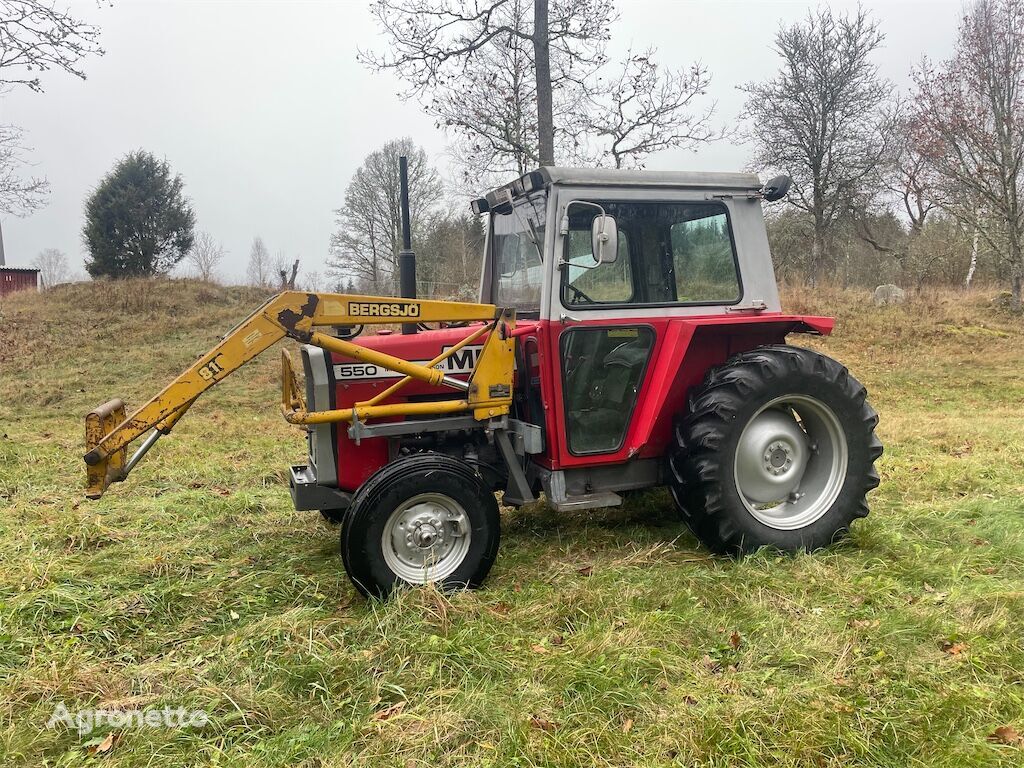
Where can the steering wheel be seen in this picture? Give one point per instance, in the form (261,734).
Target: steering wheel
(578,294)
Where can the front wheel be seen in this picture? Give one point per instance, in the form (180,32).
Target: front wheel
(777,449)
(424,519)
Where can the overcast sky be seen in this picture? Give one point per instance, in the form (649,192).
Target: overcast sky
(265,112)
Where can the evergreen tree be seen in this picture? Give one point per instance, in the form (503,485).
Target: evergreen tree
(137,221)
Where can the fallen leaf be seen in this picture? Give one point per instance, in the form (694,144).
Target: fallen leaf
(1005,734)
(388,712)
(557,640)
(104,746)
(586,570)
(735,640)
(627,726)
(538,648)
(989,571)
(689,701)
(501,609)
(234,616)
(536,721)
(953,649)
(711,665)
(928,587)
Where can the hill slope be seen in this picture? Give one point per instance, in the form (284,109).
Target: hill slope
(604,638)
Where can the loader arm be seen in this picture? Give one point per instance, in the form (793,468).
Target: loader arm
(295,315)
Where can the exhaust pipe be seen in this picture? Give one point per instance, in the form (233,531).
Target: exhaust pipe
(406,257)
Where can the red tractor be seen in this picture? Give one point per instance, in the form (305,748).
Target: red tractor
(629,335)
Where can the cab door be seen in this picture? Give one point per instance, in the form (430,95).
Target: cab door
(602,358)
(602,370)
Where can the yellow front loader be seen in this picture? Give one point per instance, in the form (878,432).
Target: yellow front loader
(300,316)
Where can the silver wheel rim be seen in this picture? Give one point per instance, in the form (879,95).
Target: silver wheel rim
(426,538)
(791,462)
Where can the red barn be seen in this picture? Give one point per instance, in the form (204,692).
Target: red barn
(18,279)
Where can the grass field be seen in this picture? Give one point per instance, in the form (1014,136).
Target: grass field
(603,638)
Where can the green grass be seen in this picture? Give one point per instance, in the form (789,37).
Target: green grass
(604,638)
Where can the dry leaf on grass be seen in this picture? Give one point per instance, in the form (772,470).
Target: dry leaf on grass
(538,648)
(953,649)
(106,745)
(627,725)
(735,640)
(557,640)
(541,723)
(864,623)
(586,570)
(1006,734)
(388,712)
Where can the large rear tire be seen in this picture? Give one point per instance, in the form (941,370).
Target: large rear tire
(777,449)
(426,518)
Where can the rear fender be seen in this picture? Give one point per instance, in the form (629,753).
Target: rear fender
(689,350)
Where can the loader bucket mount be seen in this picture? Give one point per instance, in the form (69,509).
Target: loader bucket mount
(98,424)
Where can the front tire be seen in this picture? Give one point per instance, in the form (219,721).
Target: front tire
(777,449)
(332,516)
(424,519)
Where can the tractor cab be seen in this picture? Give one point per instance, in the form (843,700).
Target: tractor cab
(638,282)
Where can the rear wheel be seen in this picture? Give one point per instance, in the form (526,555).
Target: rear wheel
(777,449)
(426,518)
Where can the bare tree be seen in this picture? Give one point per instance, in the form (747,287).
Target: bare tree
(258,273)
(20,195)
(519,83)
(900,186)
(434,41)
(909,176)
(823,118)
(312,281)
(285,275)
(970,109)
(365,247)
(204,256)
(645,110)
(36,36)
(53,267)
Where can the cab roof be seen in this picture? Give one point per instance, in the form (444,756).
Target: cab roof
(595,177)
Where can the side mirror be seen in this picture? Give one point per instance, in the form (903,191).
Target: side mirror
(776,188)
(604,239)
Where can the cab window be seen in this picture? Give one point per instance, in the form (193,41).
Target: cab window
(668,253)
